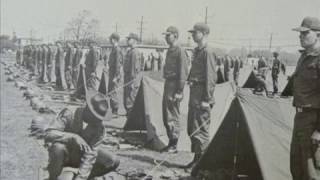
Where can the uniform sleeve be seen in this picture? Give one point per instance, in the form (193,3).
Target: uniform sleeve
(55,131)
(136,59)
(211,76)
(182,70)
(118,62)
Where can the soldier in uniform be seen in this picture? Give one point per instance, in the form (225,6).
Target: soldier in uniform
(226,67)
(304,155)
(202,79)
(115,61)
(175,73)
(275,72)
(68,65)
(59,67)
(76,64)
(75,145)
(91,64)
(132,72)
(44,58)
(19,55)
(236,70)
(51,62)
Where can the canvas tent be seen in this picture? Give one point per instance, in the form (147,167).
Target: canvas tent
(256,134)
(147,112)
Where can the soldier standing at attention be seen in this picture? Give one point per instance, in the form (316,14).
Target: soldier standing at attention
(202,79)
(115,61)
(76,64)
(305,144)
(68,65)
(132,71)
(275,72)
(59,68)
(91,64)
(175,73)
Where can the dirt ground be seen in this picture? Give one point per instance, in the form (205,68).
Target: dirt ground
(25,158)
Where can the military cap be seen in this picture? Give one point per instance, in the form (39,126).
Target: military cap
(275,54)
(202,27)
(115,36)
(309,23)
(133,36)
(171,30)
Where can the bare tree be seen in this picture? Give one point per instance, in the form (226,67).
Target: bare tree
(83,27)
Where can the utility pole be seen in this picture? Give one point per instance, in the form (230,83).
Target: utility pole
(206,16)
(270,42)
(141,28)
(116,27)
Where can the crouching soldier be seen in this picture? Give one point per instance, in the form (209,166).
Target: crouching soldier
(78,146)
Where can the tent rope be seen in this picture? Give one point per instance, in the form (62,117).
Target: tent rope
(192,134)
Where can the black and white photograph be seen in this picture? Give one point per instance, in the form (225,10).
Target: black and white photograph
(159,90)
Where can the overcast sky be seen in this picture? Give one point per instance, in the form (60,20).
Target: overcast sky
(233,23)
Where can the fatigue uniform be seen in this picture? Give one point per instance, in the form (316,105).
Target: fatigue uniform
(175,72)
(274,73)
(64,152)
(226,69)
(59,69)
(115,60)
(76,66)
(261,77)
(91,63)
(203,79)
(44,58)
(68,67)
(34,61)
(306,94)
(51,63)
(39,60)
(132,69)
(236,71)
(19,55)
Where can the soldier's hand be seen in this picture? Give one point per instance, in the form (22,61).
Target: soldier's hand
(205,105)
(315,137)
(81,143)
(178,97)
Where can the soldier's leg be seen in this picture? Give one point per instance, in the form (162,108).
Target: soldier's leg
(105,163)
(114,102)
(171,113)
(301,145)
(57,157)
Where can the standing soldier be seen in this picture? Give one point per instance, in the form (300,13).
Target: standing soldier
(115,61)
(132,69)
(44,58)
(275,72)
(51,63)
(19,55)
(59,68)
(305,144)
(202,80)
(68,65)
(236,70)
(175,72)
(34,62)
(91,63)
(39,59)
(226,67)
(76,64)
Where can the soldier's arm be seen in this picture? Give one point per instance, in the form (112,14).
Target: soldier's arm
(56,129)
(182,70)
(211,76)
(118,62)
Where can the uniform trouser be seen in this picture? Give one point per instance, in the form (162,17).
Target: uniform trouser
(226,75)
(171,111)
(301,145)
(61,155)
(198,120)
(275,83)
(130,92)
(75,74)
(236,77)
(69,81)
(114,97)
(60,82)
